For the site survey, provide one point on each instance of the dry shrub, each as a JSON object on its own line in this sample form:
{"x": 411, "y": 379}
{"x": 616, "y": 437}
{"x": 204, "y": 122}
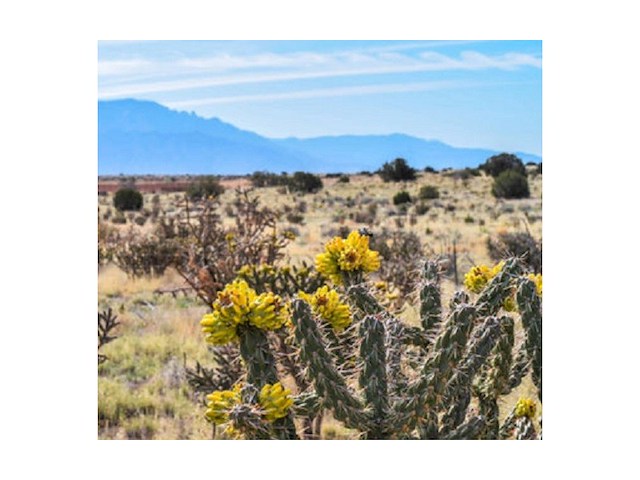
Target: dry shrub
{"x": 401, "y": 254}
{"x": 209, "y": 254}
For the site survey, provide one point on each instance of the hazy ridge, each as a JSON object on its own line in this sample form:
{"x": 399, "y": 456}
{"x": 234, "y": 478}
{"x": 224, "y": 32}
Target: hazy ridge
{"x": 143, "y": 137}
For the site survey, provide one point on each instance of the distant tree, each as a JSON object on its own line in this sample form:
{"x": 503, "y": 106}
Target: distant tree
{"x": 497, "y": 164}
{"x": 205, "y": 187}
{"x": 397, "y": 171}
{"x": 305, "y": 182}
{"x": 430, "y": 170}
{"x": 401, "y": 198}
{"x": 127, "y": 199}
{"x": 510, "y": 184}
{"x": 268, "y": 179}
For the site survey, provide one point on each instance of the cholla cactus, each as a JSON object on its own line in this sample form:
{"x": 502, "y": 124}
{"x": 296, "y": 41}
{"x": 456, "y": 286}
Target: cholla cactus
{"x": 443, "y": 379}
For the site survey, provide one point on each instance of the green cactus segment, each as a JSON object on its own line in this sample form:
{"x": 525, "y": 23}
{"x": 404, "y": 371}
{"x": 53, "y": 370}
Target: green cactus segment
{"x": 258, "y": 358}
{"x": 499, "y": 289}
{"x": 363, "y": 299}
{"x": 490, "y": 411}
{"x": 428, "y": 426}
{"x": 459, "y": 298}
{"x": 373, "y": 376}
{"x": 397, "y": 381}
{"x": 519, "y": 368}
{"x": 525, "y": 429}
{"x": 497, "y": 382}
{"x": 506, "y": 429}
{"x": 426, "y": 394}
{"x": 469, "y": 430}
{"x": 247, "y": 419}
{"x": 368, "y": 304}
{"x": 430, "y": 303}
{"x": 330, "y": 385}
{"x": 458, "y": 391}
{"x": 530, "y": 309}
{"x": 456, "y": 412}
{"x": 483, "y": 342}
{"x": 307, "y": 404}
{"x": 261, "y": 370}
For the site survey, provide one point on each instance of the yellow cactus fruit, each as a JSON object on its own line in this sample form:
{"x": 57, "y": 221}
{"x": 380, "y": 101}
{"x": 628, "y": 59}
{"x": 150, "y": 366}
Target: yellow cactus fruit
{"x": 275, "y": 400}
{"x": 525, "y": 408}
{"x": 347, "y": 255}
{"x": 269, "y": 312}
{"x": 537, "y": 279}
{"x": 326, "y": 304}
{"x": 219, "y": 403}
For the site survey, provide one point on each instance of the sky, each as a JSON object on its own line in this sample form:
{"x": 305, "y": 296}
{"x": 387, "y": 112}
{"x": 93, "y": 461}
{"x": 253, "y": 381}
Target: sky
{"x": 483, "y": 94}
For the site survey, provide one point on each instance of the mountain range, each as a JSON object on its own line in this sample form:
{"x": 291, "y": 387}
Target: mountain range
{"x": 144, "y": 137}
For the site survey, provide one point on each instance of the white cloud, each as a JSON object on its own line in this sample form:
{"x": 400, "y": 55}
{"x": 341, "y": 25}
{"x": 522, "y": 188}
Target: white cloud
{"x": 321, "y": 93}
{"x": 293, "y": 66}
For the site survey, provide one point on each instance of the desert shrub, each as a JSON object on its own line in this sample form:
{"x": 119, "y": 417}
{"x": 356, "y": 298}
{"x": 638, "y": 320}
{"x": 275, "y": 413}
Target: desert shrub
{"x": 344, "y": 179}
{"x": 205, "y": 187}
{"x": 119, "y": 219}
{"x": 140, "y": 428}
{"x": 401, "y": 253}
{"x": 401, "y": 197}
{"x": 464, "y": 174}
{"x": 210, "y": 253}
{"x": 421, "y": 208}
{"x": 364, "y": 217}
{"x": 510, "y": 184}
{"x": 469, "y": 219}
{"x": 497, "y": 164}
{"x": 127, "y": 199}
{"x": 428, "y": 192}
{"x": 296, "y": 218}
{"x": 520, "y": 244}
{"x": 430, "y": 170}
{"x": 305, "y": 182}
{"x": 143, "y": 255}
{"x": 140, "y": 220}
{"x": 397, "y": 171}
{"x": 107, "y": 322}
{"x": 301, "y": 207}
{"x": 268, "y": 179}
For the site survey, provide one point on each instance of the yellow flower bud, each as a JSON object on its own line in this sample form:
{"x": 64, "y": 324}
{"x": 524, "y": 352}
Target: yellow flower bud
{"x": 347, "y": 255}
{"x": 525, "y": 408}
{"x": 327, "y": 305}
{"x": 275, "y": 400}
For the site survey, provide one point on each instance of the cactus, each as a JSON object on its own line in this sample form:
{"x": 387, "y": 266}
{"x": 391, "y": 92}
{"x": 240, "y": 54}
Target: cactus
{"x": 443, "y": 379}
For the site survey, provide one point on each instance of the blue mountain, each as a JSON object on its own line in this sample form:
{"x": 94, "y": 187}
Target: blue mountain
{"x": 143, "y": 137}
